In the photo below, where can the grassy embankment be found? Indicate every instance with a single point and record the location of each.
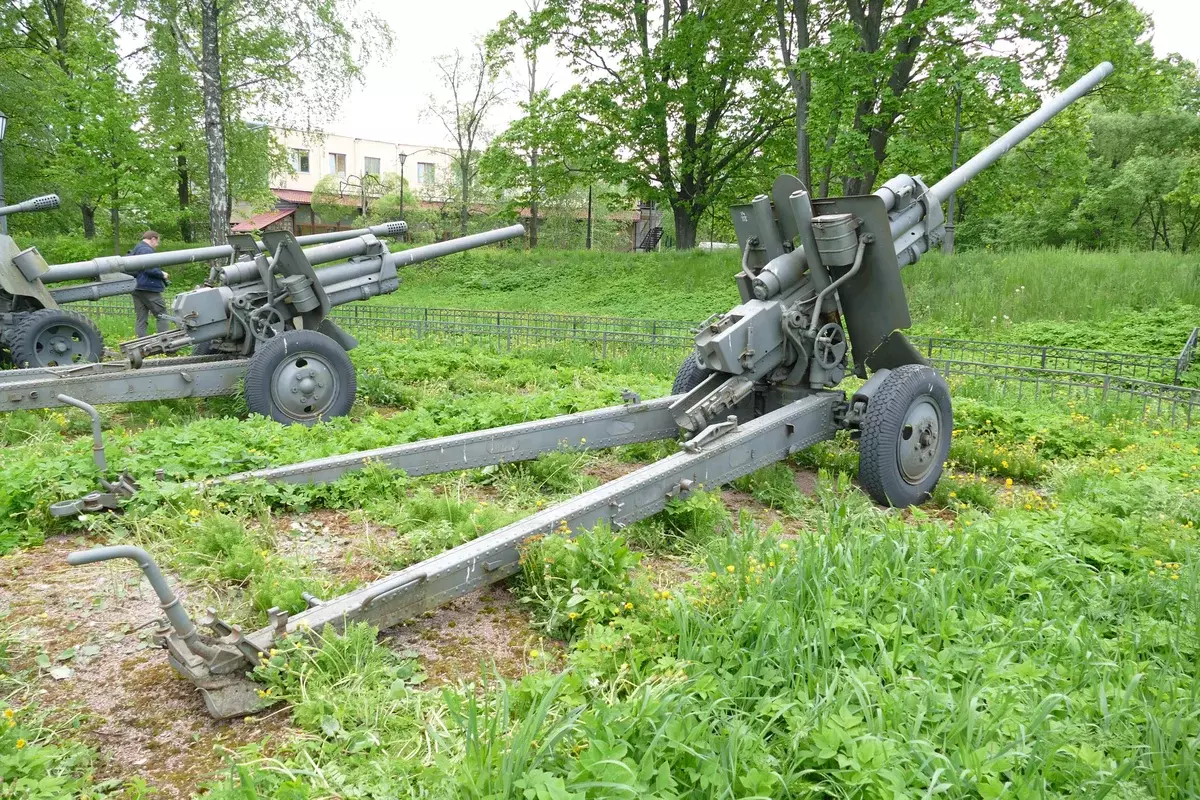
(1136, 302)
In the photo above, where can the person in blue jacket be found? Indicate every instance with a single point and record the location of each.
(148, 297)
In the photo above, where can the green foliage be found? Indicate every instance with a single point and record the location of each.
(958, 491)
(570, 582)
(774, 487)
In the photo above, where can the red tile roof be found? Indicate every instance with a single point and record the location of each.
(303, 197)
(293, 195)
(260, 221)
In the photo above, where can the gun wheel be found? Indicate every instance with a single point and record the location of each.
(691, 374)
(300, 377)
(55, 338)
(905, 436)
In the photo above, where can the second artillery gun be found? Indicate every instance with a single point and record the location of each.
(35, 331)
(761, 385)
(264, 317)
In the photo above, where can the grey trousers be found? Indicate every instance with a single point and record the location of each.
(146, 304)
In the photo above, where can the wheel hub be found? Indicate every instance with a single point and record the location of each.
(304, 386)
(917, 447)
(61, 344)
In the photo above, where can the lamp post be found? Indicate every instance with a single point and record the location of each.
(402, 157)
(3, 126)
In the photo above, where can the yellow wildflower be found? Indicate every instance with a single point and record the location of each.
(20, 743)
(730, 569)
(534, 654)
(629, 606)
(1008, 483)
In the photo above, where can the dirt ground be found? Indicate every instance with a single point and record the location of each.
(484, 634)
(96, 624)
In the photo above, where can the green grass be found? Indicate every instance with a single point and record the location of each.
(1032, 638)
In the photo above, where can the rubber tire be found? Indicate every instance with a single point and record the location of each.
(690, 375)
(878, 470)
(22, 343)
(270, 354)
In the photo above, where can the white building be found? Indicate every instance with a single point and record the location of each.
(314, 155)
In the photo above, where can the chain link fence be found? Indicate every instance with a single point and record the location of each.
(1135, 380)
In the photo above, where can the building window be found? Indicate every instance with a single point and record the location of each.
(300, 161)
(337, 164)
(371, 166)
(425, 173)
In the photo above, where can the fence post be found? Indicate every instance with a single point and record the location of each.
(604, 345)
(1043, 356)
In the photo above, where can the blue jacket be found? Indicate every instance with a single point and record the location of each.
(148, 280)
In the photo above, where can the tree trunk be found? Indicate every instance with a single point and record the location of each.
(588, 241)
(185, 197)
(89, 220)
(533, 200)
(685, 227)
(116, 228)
(214, 123)
(800, 81)
(465, 212)
(948, 240)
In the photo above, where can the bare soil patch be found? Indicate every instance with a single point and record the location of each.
(96, 625)
(485, 633)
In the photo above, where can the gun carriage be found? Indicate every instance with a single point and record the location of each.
(820, 281)
(35, 331)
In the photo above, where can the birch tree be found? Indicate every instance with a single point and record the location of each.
(471, 91)
(288, 61)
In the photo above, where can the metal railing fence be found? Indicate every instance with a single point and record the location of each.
(1174, 405)
(1035, 371)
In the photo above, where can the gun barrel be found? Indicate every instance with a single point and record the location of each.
(389, 229)
(428, 252)
(47, 202)
(990, 154)
(106, 265)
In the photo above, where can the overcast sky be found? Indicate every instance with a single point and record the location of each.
(388, 105)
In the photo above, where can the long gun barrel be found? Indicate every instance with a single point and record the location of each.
(992, 153)
(108, 265)
(811, 265)
(253, 299)
(47, 202)
(941, 191)
(914, 211)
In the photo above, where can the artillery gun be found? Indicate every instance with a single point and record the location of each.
(264, 317)
(34, 329)
(761, 385)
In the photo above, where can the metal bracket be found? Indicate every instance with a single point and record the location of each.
(713, 431)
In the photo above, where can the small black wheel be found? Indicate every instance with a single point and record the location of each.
(55, 338)
(300, 376)
(691, 374)
(905, 436)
